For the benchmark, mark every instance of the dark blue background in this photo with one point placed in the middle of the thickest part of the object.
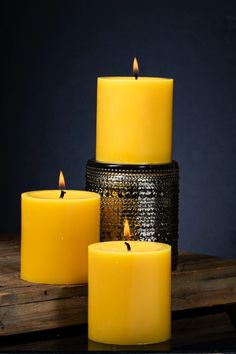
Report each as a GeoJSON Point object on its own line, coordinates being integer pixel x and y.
{"type": "Point", "coordinates": [52, 52]}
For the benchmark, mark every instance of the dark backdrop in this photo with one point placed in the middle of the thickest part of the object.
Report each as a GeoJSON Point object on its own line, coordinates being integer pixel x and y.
{"type": "Point", "coordinates": [52, 52]}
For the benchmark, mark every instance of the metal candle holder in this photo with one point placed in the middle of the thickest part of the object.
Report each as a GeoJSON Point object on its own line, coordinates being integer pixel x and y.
{"type": "Point", "coordinates": [147, 195]}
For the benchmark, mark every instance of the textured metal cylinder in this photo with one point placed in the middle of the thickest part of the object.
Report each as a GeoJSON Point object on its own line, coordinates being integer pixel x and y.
{"type": "Point", "coordinates": [147, 195]}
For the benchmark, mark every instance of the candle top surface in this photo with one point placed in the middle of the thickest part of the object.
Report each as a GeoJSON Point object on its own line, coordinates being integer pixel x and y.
{"type": "Point", "coordinates": [132, 78]}
{"type": "Point", "coordinates": [55, 195]}
{"type": "Point", "coordinates": [119, 247]}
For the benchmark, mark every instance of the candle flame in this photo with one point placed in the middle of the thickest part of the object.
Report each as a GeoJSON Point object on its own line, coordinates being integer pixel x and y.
{"type": "Point", "coordinates": [135, 67]}
{"type": "Point", "coordinates": [126, 229]}
{"type": "Point", "coordinates": [61, 180]}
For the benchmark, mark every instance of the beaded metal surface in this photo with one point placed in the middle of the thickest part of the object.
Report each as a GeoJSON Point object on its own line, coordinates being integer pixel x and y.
{"type": "Point", "coordinates": [146, 195]}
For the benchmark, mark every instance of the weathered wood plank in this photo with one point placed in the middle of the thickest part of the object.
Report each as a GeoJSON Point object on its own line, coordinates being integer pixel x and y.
{"type": "Point", "coordinates": [199, 281]}
{"type": "Point", "coordinates": [36, 316]}
{"type": "Point", "coordinates": [41, 293]}
{"type": "Point", "coordinates": [202, 280]}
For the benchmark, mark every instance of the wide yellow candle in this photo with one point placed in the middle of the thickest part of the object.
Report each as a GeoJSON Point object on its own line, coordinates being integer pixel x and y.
{"type": "Point", "coordinates": [134, 120]}
{"type": "Point", "coordinates": [129, 292]}
{"type": "Point", "coordinates": [56, 233]}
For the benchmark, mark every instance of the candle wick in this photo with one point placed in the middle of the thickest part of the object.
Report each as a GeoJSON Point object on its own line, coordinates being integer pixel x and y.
{"type": "Point", "coordinates": [136, 76]}
{"type": "Point", "coordinates": [62, 194]}
{"type": "Point", "coordinates": [128, 246]}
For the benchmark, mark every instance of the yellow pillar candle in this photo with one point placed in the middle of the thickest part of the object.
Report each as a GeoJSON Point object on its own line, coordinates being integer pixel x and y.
{"type": "Point", "coordinates": [134, 120]}
{"type": "Point", "coordinates": [56, 233]}
{"type": "Point", "coordinates": [129, 299]}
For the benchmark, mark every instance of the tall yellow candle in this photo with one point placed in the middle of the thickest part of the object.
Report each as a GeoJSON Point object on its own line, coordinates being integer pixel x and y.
{"type": "Point", "coordinates": [56, 233]}
{"type": "Point", "coordinates": [134, 120]}
{"type": "Point", "coordinates": [129, 292]}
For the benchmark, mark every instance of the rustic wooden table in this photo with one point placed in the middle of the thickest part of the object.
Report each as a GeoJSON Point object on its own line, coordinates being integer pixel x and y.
{"type": "Point", "coordinates": [42, 317]}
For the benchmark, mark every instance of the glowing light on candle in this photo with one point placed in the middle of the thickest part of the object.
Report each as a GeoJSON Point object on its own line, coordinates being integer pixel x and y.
{"type": "Point", "coordinates": [62, 184]}
{"type": "Point", "coordinates": [135, 68]}
{"type": "Point", "coordinates": [126, 229]}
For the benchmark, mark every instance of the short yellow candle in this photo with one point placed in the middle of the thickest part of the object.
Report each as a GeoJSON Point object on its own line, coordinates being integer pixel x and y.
{"type": "Point", "coordinates": [129, 299]}
{"type": "Point", "coordinates": [134, 120]}
{"type": "Point", "coordinates": [56, 233]}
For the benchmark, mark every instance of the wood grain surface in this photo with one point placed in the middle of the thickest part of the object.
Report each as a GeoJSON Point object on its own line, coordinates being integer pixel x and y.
{"type": "Point", "coordinates": [199, 281]}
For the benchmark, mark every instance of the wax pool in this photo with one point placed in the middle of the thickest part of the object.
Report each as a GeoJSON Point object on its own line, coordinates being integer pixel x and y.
{"type": "Point", "coordinates": [134, 120]}
{"type": "Point", "coordinates": [129, 292]}
{"type": "Point", "coordinates": [56, 233]}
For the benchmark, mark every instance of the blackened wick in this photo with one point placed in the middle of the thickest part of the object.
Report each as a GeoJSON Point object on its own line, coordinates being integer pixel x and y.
{"type": "Point", "coordinates": [128, 246]}
{"type": "Point", "coordinates": [62, 194]}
